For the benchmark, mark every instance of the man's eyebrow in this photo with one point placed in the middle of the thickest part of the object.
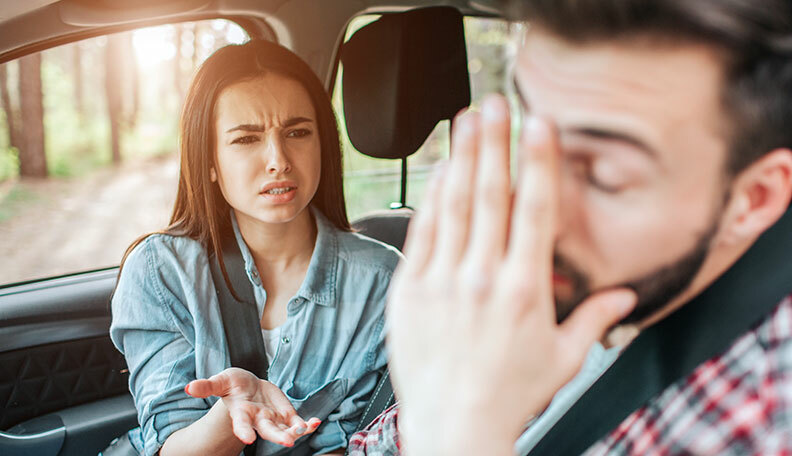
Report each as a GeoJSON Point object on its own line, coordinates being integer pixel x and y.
{"type": "Point", "coordinates": [609, 135]}
{"type": "Point", "coordinates": [592, 132]}
{"type": "Point", "coordinates": [260, 128]}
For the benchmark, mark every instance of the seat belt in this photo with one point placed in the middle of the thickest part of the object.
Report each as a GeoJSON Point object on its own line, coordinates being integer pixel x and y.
{"type": "Point", "coordinates": [243, 330]}
{"type": "Point", "coordinates": [241, 321]}
{"type": "Point", "coordinates": [673, 348]}
{"type": "Point", "coordinates": [380, 400]}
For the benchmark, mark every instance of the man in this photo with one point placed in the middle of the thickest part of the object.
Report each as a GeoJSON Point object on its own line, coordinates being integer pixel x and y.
{"type": "Point", "coordinates": [656, 152]}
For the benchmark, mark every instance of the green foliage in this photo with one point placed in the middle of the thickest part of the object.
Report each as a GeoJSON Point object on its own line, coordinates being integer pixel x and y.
{"type": "Point", "coordinates": [16, 199]}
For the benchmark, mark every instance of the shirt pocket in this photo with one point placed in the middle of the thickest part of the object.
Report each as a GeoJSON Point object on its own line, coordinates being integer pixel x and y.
{"type": "Point", "coordinates": [317, 400]}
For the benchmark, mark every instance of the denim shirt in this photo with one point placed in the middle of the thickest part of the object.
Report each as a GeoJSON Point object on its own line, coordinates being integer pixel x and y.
{"type": "Point", "coordinates": [167, 323]}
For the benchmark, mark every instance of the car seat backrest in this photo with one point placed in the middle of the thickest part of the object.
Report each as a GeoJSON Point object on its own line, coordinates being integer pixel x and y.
{"type": "Point", "coordinates": [403, 74]}
{"type": "Point", "coordinates": [388, 226]}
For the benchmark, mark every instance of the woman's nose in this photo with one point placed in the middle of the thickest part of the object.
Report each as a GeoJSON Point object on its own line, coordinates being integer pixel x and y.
{"type": "Point", "coordinates": [276, 159]}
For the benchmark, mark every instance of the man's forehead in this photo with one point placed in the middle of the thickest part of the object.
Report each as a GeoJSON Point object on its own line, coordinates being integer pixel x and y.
{"type": "Point", "coordinates": [653, 91]}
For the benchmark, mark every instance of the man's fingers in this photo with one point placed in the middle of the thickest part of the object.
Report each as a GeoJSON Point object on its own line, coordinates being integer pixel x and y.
{"type": "Point", "coordinates": [216, 385]}
{"type": "Point", "coordinates": [492, 185]}
{"type": "Point", "coordinates": [455, 210]}
{"type": "Point", "coordinates": [533, 224]}
{"type": "Point", "coordinates": [419, 245]}
{"type": "Point", "coordinates": [594, 316]}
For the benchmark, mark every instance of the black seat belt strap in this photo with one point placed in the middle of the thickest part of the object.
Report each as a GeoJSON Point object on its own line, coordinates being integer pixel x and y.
{"type": "Point", "coordinates": [672, 349]}
{"type": "Point", "coordinates": [241, 321]}
{"type": "Point", "coordinates": [381, 399]}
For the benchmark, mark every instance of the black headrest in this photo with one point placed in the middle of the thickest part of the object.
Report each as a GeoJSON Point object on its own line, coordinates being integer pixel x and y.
{"type": "Point", "coordinates": [403, 74]}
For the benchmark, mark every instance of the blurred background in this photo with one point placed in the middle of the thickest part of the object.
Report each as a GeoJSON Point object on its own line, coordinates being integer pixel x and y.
{"type": "Point", "coordinates": [89, 141]}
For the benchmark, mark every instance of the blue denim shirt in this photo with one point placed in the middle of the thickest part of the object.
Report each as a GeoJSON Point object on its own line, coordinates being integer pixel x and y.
{"type": "Point", "coordinates": [167, 323]}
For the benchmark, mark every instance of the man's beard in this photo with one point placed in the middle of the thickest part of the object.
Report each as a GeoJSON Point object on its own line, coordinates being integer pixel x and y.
{"type": "Point", "coordinates": [654, 290]}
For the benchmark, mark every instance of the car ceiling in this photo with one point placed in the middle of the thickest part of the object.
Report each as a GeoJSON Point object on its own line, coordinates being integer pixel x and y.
{"type": "Point", "coordinates": [312, 28]}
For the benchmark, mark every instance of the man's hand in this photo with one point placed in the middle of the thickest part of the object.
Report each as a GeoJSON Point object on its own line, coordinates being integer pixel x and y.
{"type": "Point", "coordinates": [476, 350]}
{"type": "Point", "coordinates": [255, 406]}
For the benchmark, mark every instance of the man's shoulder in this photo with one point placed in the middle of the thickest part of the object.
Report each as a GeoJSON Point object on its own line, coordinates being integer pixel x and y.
{"type": "Point", "coordinates": [736, 400]}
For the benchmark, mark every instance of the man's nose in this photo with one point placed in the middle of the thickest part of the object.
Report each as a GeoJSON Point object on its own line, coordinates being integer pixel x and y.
{"type": "Point", "coordinates": [275, 155]}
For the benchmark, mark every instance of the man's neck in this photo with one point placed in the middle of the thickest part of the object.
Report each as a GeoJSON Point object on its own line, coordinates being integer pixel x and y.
{"type": "Point", "coordinates": [717, 263]}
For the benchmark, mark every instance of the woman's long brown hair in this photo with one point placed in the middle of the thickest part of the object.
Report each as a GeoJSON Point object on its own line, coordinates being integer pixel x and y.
{"type": "Point", "coordinates": [200, 211]}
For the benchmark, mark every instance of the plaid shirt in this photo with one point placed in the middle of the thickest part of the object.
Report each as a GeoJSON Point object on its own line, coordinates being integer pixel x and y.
{"type": "Point", "coordinates": [737, 403]}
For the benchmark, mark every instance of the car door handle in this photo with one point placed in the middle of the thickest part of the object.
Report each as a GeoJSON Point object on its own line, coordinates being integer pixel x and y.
{"type": "Point", "coordinates": [39, 437]}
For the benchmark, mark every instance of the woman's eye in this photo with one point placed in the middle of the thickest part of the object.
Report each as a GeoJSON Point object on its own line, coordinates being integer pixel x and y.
{"type": "Point", "coordinates": [298, 133]}
{"type": "Point", "coordinates": [245, 139]}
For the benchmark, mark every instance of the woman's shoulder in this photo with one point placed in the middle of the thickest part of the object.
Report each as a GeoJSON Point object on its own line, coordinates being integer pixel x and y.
{"type": "Point", "coordinates": [162, 246]}
{"type": "Point", "coordinates": [162, 254]}
{"type": "Point", "coordinates": [364, 251]}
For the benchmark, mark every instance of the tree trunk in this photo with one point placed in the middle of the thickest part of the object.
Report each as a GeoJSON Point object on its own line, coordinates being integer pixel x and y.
{"type": "Point", "coordinates": [113, 74]}
{"type": "Point", "coordinates": [32, 159]}
{"type": "Point", "coordinates": [8, 109]}
{"type": "Point", "coordinates": [133, 83]}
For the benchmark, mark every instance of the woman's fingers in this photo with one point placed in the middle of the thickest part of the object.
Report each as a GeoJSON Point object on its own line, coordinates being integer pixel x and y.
{"type": "Point", "coordinates": [242, 424]}
{"type": "Point", "coordinates": [216, 385]}
{"type": "Point", "coordinates": [299, 427]}
{"type": "Point", "coordinates": [270, 430]}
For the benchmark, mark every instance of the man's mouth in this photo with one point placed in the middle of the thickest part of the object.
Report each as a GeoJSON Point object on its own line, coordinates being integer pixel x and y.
{"type": "Point", "coordinates": [559, 279]}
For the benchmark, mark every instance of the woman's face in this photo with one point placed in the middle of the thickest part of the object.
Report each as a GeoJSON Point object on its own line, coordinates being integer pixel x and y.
{"type": "Point", "coordinates": [268, 149]}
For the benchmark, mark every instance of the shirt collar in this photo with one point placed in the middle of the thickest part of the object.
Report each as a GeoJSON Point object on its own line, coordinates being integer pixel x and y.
{"type": "Point", "coordinates": [320, 280]}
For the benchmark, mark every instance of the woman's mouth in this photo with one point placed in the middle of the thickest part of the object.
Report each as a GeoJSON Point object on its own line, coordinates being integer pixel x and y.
{"type": "Point", "coordinates": [279, 192]}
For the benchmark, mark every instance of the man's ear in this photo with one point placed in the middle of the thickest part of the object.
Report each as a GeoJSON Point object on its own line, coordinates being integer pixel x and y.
{"type": "Point", "coordinates": [760, 195]}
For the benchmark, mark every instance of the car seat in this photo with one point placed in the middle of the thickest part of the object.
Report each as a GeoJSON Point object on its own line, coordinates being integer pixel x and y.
{"type": "Point", "coordinates": [403, 74]}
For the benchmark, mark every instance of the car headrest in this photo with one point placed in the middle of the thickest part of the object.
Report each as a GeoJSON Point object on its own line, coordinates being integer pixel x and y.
{"type": "Point", "coordinates": [404, 73]}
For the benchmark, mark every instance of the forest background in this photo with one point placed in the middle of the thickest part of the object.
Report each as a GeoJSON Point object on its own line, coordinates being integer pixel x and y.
{"type": "Point", "coordinates": [89, 141]}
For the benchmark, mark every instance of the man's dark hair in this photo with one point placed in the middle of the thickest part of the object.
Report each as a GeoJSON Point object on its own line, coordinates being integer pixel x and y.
{"type": "Point", "coordinates": [753, 38]}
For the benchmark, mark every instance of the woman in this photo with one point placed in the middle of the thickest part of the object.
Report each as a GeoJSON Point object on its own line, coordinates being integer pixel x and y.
{"type": "Point", "coordinates": [260, 158]}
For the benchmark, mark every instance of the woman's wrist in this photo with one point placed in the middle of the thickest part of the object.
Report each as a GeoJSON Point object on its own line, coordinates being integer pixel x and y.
{"type": "Point", "coordinates": [211, 434]}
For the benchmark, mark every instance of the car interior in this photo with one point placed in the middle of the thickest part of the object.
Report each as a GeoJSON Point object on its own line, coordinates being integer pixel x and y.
{"type": "Point", "coordinates": [63, 385]}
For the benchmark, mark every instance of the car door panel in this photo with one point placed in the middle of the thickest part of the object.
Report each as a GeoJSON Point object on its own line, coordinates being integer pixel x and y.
{"type": "Point", "coordinates": [63, 385]}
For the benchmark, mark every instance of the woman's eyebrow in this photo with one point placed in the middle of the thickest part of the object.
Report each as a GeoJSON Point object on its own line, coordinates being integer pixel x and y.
{"type": "Point", "coordinates": [261, 128]}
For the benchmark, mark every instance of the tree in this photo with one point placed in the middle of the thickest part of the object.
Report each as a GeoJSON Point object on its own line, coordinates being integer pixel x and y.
{"type": "Point", "coordinates": [8, 109]}
{"type": "Point", "coordinates": [113, 85]}
{"type": "Point", "coordinates": [132, 82]}
{"type": "Point", "coordinates": [32, 158]}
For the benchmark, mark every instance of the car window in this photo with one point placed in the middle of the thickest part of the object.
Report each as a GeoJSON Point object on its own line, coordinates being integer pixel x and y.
{"type": "Point", "coordinates": [88, 145]}
{"type": "Point", "coordinates": [372, 184]}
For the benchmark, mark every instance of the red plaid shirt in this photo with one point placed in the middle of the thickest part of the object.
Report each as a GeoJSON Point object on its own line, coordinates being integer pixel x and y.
{"type": "Point", "coordinates": [737, 403]}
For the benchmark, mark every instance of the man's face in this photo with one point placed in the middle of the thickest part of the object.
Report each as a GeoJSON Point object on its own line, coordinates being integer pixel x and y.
{"type": "Point", "coordinates": [643, 159]}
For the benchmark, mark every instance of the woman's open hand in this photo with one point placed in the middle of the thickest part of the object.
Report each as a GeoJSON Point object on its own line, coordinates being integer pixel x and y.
{"type": "Point", "coordinates": [255, 406]}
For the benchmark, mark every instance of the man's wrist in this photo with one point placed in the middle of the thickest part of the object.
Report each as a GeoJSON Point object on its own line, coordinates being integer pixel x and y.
{"type": "Point", "coordinates": [425, 437]}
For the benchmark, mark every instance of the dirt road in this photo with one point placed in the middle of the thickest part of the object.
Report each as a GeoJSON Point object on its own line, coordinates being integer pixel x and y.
{"type": "Point", "coordinates": [61, 226]}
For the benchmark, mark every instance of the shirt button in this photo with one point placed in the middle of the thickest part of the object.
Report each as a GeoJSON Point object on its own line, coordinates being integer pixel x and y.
{"type": "Point", "coordinates": [285, 340]}
{"type": "Point", "coordinates": [254, 273]}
